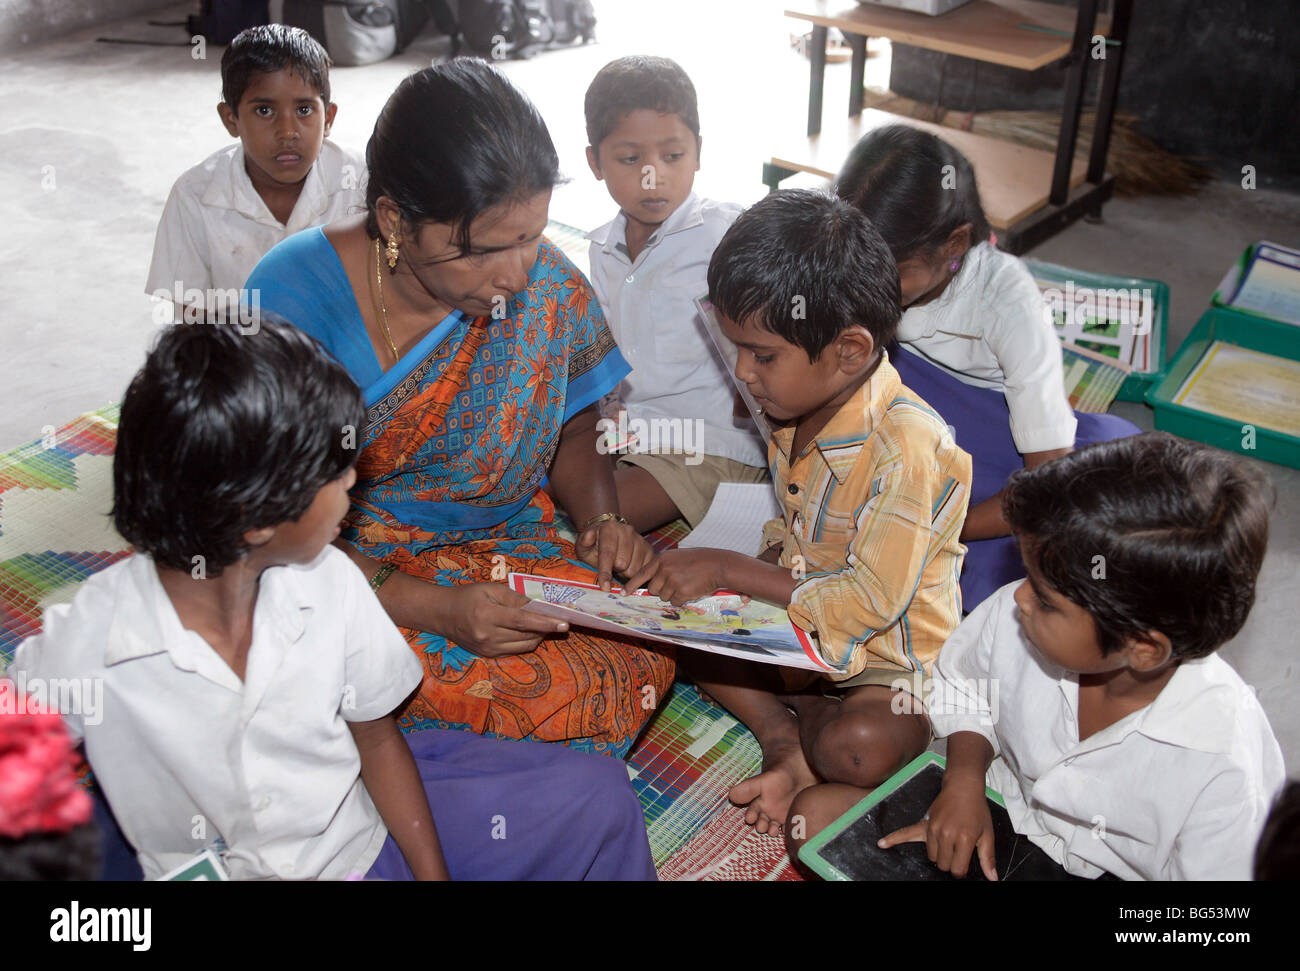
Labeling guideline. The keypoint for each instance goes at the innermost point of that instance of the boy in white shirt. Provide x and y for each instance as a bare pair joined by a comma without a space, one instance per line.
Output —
282,177
1089,694
648,266
247,675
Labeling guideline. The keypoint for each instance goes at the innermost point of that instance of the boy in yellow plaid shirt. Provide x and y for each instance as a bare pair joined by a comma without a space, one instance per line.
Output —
874,492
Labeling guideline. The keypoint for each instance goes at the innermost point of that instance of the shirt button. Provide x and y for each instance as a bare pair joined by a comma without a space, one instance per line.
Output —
263,802
792,489
286,869
630,278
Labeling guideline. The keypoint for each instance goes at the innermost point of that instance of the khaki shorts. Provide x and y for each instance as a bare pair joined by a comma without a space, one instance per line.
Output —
691,487
914,683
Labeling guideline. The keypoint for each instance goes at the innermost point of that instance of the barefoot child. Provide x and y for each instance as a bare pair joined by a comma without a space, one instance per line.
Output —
283,176
1123,743
647,267
974,339
251,674
873,490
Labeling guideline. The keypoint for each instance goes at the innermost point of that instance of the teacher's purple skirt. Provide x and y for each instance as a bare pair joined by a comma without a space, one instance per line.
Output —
525,811
981,424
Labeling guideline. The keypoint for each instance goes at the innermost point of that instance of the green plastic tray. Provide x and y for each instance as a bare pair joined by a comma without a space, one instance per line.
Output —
1244,330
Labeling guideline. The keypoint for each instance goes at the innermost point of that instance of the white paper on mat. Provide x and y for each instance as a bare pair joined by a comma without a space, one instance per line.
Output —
735,519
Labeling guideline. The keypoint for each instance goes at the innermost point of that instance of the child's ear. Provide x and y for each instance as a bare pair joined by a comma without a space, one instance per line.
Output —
260,536
959,241
855,348
1149,651
228,118
593,162
330,111
699,145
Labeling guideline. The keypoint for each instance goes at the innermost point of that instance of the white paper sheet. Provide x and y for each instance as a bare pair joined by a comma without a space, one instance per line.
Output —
735,519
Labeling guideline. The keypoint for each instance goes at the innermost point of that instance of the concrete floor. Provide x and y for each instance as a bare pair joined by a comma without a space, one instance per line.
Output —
94,135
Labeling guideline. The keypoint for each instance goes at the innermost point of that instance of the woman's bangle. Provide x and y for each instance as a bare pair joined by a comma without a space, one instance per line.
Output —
602,518
383,573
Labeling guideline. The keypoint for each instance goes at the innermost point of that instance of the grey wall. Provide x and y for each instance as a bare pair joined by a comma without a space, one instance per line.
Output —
29,22
1211,79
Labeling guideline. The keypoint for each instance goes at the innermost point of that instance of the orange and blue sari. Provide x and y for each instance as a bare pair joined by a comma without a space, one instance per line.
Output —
454,455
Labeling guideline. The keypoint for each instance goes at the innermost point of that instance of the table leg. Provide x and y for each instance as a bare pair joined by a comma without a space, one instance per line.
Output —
1083,28
1110,71
816,78
858,44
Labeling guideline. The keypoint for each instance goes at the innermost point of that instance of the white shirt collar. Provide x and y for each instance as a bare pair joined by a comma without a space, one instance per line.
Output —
1186,713
146,623
231,188
614,233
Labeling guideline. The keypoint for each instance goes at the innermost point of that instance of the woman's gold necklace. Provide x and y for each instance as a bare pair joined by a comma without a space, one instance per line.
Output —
381,312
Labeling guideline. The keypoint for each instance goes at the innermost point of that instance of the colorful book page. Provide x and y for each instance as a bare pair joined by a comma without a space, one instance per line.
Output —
1246,386
1091,381
1115,322
725,623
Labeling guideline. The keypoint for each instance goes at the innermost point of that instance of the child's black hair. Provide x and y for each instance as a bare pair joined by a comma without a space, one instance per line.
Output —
632,83
807,266
270,48
1277,857
223,432
74,855
453,141
900,177
1147,533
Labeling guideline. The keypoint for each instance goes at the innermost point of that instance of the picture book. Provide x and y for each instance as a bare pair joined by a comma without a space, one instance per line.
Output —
1115,322
847,850
1246,386
1265,281
724,623
1092,380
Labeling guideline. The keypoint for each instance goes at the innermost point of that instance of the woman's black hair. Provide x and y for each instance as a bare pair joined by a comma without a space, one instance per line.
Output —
269,48
224,431
636,82
807,266
1147,533
914,187
453,141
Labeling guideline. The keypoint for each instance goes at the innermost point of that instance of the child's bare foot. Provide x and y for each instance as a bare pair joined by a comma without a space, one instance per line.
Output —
767,796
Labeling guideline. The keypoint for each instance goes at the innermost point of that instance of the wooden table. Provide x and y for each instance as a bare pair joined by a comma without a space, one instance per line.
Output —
1023,34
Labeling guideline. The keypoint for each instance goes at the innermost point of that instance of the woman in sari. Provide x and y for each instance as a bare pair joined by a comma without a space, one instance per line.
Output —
481,352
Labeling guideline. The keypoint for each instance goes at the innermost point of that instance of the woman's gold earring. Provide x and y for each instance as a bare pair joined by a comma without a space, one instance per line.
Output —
392,252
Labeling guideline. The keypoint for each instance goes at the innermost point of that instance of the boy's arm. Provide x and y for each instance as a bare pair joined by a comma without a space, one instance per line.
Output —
682,575
179,250
389,774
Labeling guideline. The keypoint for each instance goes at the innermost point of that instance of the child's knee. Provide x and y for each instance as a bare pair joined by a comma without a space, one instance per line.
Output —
856,749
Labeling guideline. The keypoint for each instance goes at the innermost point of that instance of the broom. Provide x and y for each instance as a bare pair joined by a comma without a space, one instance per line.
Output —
1139,165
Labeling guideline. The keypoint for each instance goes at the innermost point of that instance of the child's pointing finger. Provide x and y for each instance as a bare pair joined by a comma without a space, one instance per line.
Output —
908,834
